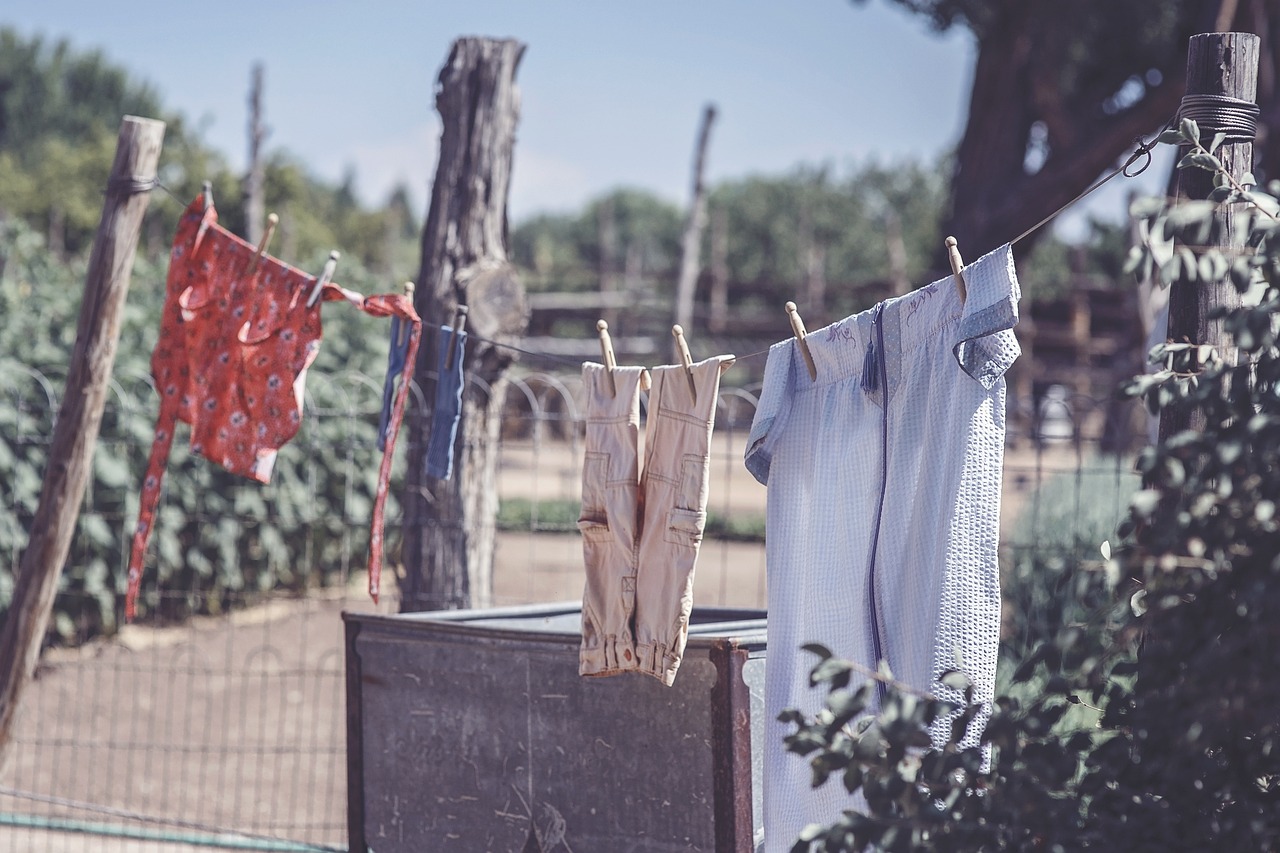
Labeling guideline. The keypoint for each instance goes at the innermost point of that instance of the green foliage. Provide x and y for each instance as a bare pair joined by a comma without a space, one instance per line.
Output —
779,226
563,252
779,231
60,110
1049,581
1153,728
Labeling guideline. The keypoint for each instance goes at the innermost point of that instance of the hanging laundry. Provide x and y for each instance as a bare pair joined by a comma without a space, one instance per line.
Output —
232,359
883,510
399,350
448,407
641,531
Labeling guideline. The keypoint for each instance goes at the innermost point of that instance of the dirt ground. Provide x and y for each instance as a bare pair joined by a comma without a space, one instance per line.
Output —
236,723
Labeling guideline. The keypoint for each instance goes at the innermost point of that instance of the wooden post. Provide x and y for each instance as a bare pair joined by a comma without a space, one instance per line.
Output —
1217,64
450,525
255,204
691,244
75,433
896,249
607,238
718,319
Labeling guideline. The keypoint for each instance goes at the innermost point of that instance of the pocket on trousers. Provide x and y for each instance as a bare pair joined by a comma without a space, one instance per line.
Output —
594,528
595,478
685,526
693,482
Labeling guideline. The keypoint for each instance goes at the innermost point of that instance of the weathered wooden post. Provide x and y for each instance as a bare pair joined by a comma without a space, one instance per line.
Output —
1217,64
450,524
691,243
607,240
255,202
75,433
718,317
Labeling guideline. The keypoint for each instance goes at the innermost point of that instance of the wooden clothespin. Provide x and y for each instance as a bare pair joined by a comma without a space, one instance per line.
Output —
606,349
403,328
957,267
683,346
272,221
797,329
459,321
324,278
207,192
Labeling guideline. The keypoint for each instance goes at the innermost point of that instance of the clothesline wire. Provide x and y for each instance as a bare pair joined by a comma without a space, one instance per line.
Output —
1142,149
576,362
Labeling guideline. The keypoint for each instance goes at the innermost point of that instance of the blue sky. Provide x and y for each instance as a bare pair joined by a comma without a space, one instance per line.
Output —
611,91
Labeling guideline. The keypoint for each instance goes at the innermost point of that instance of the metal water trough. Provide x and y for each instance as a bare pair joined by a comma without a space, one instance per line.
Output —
472,731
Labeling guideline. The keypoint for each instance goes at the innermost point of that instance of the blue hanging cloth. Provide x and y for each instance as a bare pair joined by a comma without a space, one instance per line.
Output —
448,407
395,367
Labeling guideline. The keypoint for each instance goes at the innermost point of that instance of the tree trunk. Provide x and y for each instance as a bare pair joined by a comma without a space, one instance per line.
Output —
449,525
255,204
1217,64
1263,18
995,195
691,244
75,433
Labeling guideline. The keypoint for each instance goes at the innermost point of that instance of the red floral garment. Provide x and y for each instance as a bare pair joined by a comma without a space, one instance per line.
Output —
232,359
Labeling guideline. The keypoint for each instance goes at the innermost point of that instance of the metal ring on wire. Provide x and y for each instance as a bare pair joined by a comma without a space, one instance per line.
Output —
1141,149
1235,118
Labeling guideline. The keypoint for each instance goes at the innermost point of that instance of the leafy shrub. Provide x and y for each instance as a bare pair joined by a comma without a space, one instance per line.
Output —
1047,581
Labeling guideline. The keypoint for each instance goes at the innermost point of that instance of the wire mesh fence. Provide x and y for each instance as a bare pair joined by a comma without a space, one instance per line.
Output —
217,721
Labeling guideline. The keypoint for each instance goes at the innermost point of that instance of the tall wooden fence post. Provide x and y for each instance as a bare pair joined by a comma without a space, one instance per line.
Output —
75,433
450,524
255,180
691,244
1217,64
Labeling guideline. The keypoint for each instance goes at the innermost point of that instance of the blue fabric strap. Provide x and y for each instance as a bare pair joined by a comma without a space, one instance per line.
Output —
448,407
395,367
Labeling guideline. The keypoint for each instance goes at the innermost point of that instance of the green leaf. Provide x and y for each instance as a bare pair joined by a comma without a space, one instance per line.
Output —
1145,501
1145,207
833,671
955,679
1189,130
1200,160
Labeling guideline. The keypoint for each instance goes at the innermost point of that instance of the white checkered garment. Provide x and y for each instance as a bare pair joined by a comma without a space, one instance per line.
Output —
819,446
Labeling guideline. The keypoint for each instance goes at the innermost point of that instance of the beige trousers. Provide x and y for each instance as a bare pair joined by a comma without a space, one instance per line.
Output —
641,531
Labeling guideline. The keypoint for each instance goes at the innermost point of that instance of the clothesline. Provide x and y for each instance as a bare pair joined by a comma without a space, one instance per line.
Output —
574,362
1142,149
